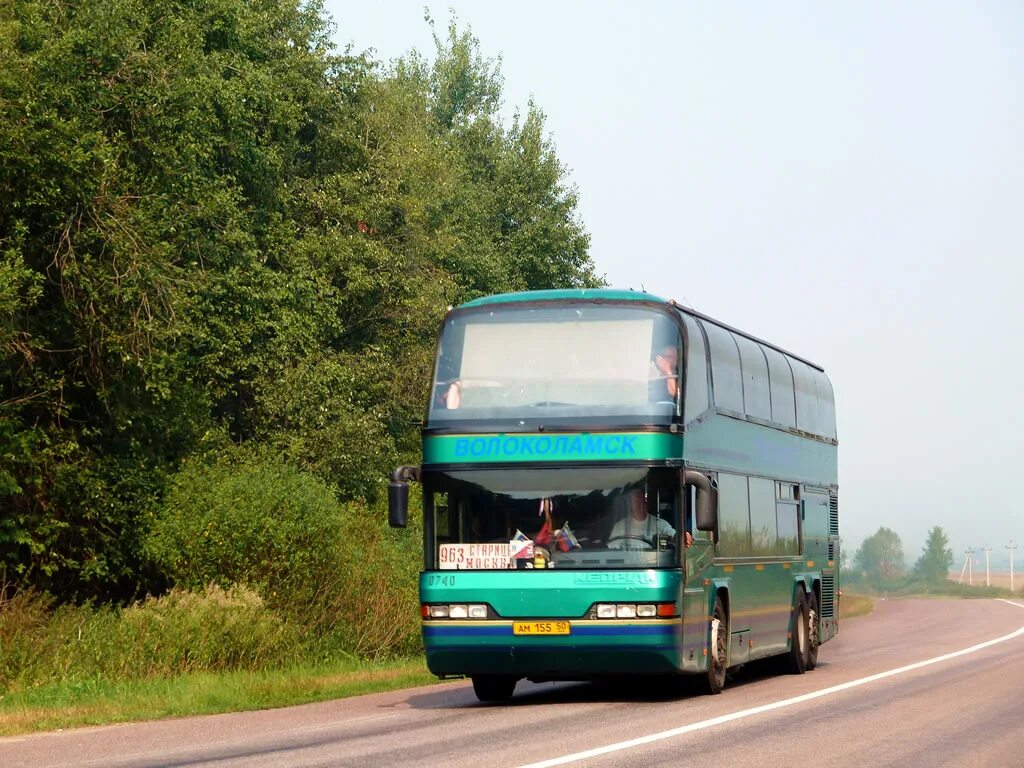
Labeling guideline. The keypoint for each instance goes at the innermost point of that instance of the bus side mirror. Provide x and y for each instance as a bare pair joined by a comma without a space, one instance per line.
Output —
707,500
398,496
707,510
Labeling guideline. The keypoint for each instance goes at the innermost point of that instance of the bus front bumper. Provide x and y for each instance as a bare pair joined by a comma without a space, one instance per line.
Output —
591,649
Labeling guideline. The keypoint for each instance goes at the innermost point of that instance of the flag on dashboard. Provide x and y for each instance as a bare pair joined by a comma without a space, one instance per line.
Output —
520,546
566,539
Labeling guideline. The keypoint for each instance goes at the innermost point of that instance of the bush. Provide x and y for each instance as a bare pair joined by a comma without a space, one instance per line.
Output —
213,630
249,520
377,600
336,569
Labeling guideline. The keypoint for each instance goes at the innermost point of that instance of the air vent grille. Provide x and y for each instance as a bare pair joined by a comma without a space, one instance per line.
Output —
833,513
828,595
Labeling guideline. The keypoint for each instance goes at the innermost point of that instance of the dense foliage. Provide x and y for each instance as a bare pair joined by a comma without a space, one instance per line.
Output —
251,521
216,231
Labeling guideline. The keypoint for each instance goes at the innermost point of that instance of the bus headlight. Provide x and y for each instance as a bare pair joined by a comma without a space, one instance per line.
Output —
633,611
455,611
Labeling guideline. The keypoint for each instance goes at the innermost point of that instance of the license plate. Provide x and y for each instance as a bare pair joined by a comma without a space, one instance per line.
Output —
540,628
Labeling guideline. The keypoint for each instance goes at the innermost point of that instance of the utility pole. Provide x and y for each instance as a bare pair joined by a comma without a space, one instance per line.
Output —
1011,546
968,566
988,582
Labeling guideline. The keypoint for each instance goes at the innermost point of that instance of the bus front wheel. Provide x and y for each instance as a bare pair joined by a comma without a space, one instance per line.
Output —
800,633
718,647
494,687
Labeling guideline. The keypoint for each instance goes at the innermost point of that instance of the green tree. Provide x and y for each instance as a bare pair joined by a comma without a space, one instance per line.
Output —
148,157
936,558
505,214
212,225
880,557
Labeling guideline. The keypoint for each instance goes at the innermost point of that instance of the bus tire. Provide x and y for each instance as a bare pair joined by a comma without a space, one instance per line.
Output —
494,687
813,636
718,649
796,660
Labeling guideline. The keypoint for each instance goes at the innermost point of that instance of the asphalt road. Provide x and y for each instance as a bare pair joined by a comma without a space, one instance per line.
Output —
916,683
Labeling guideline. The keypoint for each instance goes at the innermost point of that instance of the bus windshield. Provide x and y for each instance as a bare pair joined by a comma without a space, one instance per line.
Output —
567,361
572,517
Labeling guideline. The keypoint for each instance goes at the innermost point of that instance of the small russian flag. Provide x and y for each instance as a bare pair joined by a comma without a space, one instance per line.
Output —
566,539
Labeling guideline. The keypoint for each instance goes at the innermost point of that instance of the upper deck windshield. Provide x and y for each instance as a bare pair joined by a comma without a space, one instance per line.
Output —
571,363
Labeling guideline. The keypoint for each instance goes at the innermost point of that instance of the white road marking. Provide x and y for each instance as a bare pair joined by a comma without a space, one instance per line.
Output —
621,745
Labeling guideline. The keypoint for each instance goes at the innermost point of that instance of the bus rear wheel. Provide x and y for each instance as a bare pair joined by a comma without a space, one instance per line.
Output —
800,633
813,638
494,687
718,647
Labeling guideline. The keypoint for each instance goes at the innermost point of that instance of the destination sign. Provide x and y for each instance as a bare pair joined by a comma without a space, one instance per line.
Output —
456,449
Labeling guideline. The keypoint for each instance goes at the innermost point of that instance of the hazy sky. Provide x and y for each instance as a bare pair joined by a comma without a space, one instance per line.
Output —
847,182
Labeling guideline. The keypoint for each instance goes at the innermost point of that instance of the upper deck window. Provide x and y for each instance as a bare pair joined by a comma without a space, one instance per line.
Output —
781,377
725,369
808,413
756,395
567,362
696,398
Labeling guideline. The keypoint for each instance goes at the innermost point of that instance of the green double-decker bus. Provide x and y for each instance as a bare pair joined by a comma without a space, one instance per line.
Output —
614,484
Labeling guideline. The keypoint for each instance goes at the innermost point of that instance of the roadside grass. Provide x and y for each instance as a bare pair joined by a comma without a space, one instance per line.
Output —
953,589
861,603
190,653
922,589
102,701
851,605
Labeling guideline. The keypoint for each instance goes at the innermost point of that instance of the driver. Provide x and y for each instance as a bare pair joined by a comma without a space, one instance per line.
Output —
638,530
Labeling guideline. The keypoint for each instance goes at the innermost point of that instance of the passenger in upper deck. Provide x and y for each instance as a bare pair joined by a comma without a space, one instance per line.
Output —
453,397
665,374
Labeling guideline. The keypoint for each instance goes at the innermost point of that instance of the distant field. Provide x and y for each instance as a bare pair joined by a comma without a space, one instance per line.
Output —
997,579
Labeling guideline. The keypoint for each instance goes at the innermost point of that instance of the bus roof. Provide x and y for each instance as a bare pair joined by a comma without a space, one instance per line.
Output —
567,294
616,294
